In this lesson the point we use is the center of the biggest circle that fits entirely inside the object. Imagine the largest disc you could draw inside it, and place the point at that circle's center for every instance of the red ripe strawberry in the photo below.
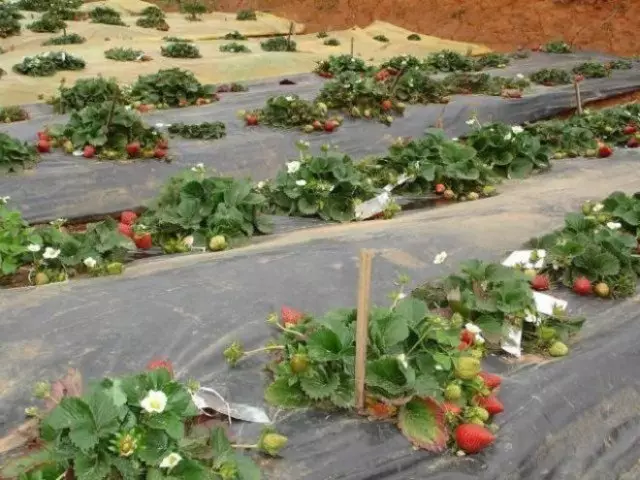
(162, 143)
(290, 316)
(604, 151)
(128, 217)
(125, 230)
(380, 409)
(89, 151)
(144, 108)
(317, 125)
(43, 146)
(156, 363)
(386, 105)
(133, 149)
(582, 286)
(491, 380)
(143, 241)
(467, 337)
(630, 129)
(463, 346)
(491, 404)
(159, 152)
(540, 282)
(251, 120)
(473, 438)
(329, 126)
(578, 78)
(633, 142)
(440, 188)
(43, 136)
(183, 102)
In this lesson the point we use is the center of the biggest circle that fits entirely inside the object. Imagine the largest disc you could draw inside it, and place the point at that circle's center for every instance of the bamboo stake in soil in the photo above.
(576, 85)
(289, 36)
(362, 324)
(352, 46)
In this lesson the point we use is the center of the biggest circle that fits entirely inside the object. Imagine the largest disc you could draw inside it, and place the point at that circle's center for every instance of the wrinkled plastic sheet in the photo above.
(576, 418)
(70, 187)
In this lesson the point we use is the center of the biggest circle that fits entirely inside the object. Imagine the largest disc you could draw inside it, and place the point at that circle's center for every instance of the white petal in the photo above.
(440, 258)
(301, 183)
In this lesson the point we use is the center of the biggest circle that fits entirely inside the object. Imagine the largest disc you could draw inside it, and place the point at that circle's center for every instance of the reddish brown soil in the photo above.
(599, 25)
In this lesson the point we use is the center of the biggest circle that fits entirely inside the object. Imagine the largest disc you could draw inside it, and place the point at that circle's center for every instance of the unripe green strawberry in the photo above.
(476, 421)
(299, 363)
(41, 278)
(477, 353)
(547, 333)
(452, 392)
(488, 190)
(114, 268)
(558, 349)
(476, 412)
(467, 368)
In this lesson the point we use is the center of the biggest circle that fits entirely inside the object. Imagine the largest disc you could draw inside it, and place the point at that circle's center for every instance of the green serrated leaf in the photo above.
(344, 396)
(71, 412)
(168, 422)
(387, 375)
(412, 310)
(84, 438)
(247, 469)
(91, 468)
(389, 326)
(426, 385)
(423, 426)
(219, 442)
(154, 448)
(281, 394)
(318, 384)
(324, 346)
(126, 468)
(113, 389)
(105, 414)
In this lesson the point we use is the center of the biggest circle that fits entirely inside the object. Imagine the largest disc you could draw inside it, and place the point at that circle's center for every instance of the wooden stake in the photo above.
(576, 84)
(362, 324)
(352, 46)
(289, 36)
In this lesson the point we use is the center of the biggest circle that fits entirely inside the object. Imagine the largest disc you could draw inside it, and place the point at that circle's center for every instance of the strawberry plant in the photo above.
(416, 86)
(415, 375)
(331, 42)
(286, 111)
(180, 50)
(152, 17)
(9, 21)
(206, 208)
(231, 87)
(235, 35)
(15, 155)
(246, 15)
(278, 44)
(496, 300)
(337, 64)
(404, 63)
(106, 15)
(194, 8)
(592, 70)
(565, 140)
(619, 65)
(360, 96)
(68, 39)
(122, 54)
(106, 130)
(608, 125)
(592, 249)
(449, 61)
(142, 425)
(13, 113)
(557, 46)
(177, 39)
(234, 48)
(15, 233)
(491, 60)
(204, 131)
(621, 208)
(328, 186)
(85, 92)
(551, 77)
(47, 24)
(48, 63)
(509, 150)
(429, 161)
(481, 83)
(381, 38)
(414, 37)
(33, 5)
(174, 87)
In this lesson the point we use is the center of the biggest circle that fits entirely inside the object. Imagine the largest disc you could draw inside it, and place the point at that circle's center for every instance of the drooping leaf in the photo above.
(422, 423)
(280, 393)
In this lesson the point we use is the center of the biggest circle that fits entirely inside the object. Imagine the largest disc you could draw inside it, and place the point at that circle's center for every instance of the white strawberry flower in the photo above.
(170, 460)
(508, 136)
(34, 247)
(597, 207)
(260, 185)
(438, 367)
(614, 225)
(50, 253)
(517, 129)
(293, 167)
(90, 262)
(519, 76)
(4, 200)
(454, 139)
(154, 402)
(301, 183)
(402, 360)
(471, 121)
(289, 99)
(473, 328)
(440, 258)
(479, 339)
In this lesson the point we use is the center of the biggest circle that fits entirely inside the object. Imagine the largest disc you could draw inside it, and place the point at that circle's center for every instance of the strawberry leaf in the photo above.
(412, 310)
(169, 422)
(324, 346)
(387, 375)
(387, 328)
(427, 386)
(91, 468)
(344, 396)
(154, 448)
(423, 425)
(281, 394)
(318, 384)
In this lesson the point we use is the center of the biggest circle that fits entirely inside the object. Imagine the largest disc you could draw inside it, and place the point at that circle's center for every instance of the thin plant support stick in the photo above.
(352, 40)
(289, 36)
(362, 324)
(112, 111)
(576, 85)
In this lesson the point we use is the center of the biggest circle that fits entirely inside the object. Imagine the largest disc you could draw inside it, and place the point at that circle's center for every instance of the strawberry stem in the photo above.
(264, 349)
(294, 332)
(247, 447)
